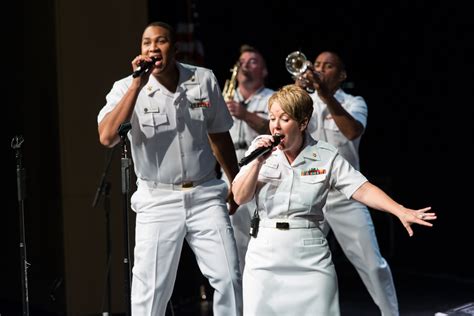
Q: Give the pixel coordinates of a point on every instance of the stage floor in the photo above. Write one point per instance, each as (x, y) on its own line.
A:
(419, 294)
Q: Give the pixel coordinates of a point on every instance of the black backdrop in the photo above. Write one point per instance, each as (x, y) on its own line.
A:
(410, 61)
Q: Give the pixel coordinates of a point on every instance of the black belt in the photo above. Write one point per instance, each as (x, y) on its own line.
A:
(240, 145)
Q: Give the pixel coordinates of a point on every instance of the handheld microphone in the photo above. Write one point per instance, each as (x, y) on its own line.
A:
(144, 67)
(260, 151)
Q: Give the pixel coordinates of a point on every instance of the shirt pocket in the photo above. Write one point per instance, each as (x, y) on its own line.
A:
(313, 179)
(311, 188)
(269, 172)
(150, 122)
(197, 103)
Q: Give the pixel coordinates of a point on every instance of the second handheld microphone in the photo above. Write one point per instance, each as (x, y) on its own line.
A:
(261, 151)
(144, 66)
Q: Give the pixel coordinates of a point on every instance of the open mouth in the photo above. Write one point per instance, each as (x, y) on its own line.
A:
(278, 138)
(158, 60)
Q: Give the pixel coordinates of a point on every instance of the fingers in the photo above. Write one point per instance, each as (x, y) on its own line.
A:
(426, 209)
(409, 230)
(420, 217)
(424, 216)
(427, 216)
(421, 222)
(265, 142)
(137, 60)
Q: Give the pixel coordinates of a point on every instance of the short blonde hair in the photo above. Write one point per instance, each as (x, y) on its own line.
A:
(294, 101)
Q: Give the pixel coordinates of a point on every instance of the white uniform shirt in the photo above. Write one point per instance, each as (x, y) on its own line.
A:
(300, 190)
(323, 127)
(242, 134)
(169, 135)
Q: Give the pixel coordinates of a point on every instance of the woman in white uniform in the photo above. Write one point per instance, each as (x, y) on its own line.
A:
(289, 270)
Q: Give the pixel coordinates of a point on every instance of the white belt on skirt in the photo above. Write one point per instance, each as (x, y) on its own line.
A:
(286, 223)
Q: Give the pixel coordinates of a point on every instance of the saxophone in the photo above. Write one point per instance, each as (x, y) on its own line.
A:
(231, 84)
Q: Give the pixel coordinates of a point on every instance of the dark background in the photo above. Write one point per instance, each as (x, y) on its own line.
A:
(410, 60)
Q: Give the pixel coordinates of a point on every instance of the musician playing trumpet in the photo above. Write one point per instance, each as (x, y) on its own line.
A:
(248, 107)
(340, 118)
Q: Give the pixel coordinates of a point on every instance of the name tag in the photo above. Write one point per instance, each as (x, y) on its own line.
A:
(151, 110)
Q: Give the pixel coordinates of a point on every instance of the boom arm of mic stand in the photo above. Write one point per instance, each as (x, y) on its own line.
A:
(102, 185)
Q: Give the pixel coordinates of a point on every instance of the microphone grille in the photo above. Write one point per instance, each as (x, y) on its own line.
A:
(277, 139)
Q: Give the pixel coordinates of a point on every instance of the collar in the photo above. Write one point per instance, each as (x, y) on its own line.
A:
(187, 76)
(256, 95)
(309, 152)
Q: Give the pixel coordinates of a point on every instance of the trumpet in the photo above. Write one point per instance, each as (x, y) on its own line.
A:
(230, 84)
(296, 64)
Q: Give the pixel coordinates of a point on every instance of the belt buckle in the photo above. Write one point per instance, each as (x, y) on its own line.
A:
(187, 185)
(283, 225)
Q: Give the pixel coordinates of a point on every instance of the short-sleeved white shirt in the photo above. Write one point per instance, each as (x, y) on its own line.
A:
(242, 134)
(169, 135)
(323, 127)
(300, 190)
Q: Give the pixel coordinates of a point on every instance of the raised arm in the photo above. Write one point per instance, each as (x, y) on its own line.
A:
(121, 113)
(245, 184)
(109, 125)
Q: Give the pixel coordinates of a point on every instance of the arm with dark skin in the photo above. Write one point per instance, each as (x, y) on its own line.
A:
(350, 127)
(223, 148)
(108, 127)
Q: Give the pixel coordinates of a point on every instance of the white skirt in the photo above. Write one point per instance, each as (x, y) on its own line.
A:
(290, 272)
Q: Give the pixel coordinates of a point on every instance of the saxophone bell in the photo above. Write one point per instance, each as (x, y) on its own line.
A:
(230, 84)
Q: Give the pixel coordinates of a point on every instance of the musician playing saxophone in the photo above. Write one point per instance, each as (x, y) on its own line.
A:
(249, 111)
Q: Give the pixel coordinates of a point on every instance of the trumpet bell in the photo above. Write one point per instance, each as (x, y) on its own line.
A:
(296, 63)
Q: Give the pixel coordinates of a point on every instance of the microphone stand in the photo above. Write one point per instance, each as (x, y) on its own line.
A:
(104, 190)
(16, 143)
(125, 168)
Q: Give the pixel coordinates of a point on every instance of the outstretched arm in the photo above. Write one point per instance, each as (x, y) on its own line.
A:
(375, 198)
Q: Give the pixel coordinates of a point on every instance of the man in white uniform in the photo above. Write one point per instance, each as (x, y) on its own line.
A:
(180, 123)
(249, 109)
(340, 119)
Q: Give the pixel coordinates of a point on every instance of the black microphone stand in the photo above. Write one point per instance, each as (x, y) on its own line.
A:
(17, 141)
(125, 168)
(104, 190)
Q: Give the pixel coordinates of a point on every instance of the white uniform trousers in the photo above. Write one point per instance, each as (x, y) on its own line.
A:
(290, 273)
(164, 219)
(353, 228)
